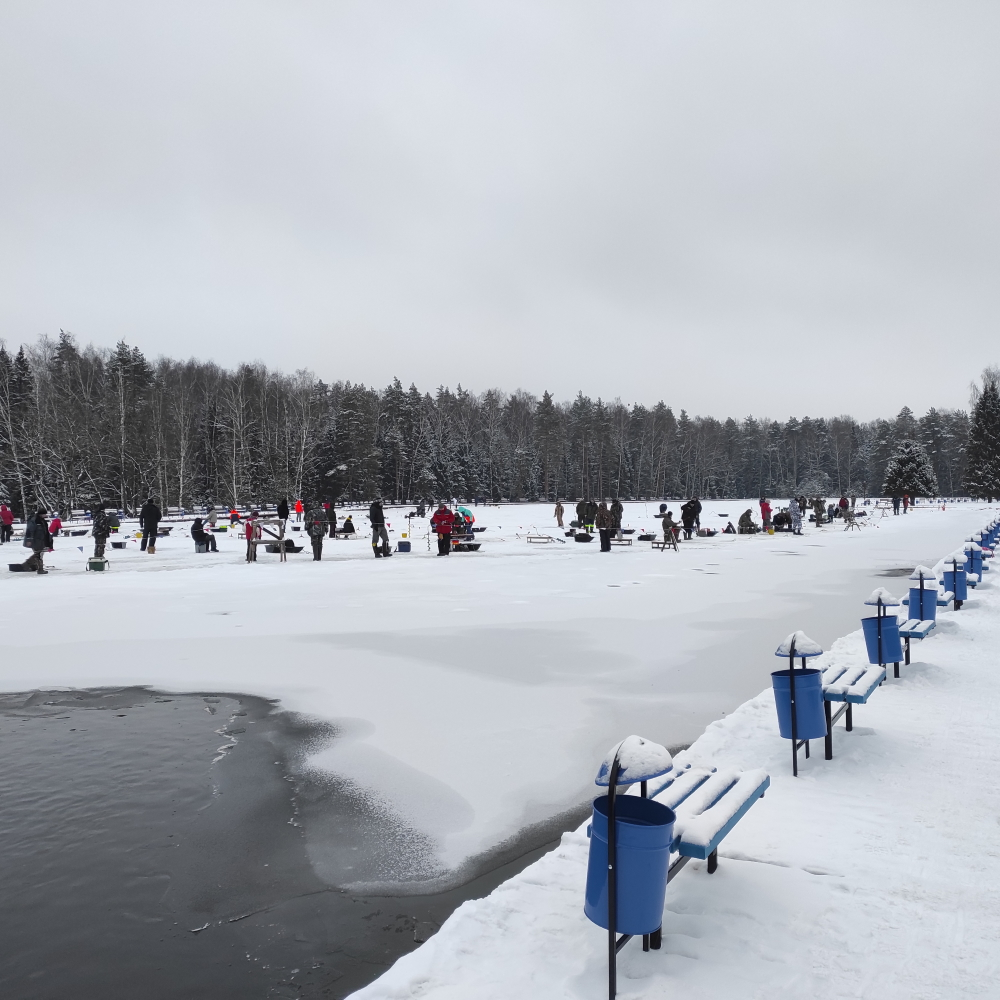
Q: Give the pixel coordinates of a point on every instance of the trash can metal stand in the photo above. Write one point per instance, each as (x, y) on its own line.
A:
(643, 760)
(798, 644)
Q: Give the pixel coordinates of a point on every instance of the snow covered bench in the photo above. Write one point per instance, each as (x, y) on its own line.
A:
(708, 803)
(850, 685)
(915, 629)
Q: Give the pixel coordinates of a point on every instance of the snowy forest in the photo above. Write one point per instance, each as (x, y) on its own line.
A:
(82, 424)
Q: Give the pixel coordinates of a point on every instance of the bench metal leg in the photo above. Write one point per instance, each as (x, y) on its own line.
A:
(645, 942)
(807, 749)
(713, 861)
(850, 717)
(829, 731)
(656, 939)
(906, 659)
(895, 669)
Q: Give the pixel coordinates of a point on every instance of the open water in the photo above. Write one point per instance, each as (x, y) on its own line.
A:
(154, 846)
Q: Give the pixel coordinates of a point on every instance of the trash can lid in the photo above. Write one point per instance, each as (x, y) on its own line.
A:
(923, 571)
(639, 760)
(882, 594)
(804, 646)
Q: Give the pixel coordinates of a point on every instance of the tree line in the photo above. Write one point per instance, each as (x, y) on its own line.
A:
(78, 425)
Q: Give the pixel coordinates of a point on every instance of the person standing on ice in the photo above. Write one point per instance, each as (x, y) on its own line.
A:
(100, 529)
(581, 514)
(604, 522)
(796, 515)
(377, 517)
(212, 517)
(895, 504)
(38, 539)
(316, 528)
(442, 523)
(283, 511)
(819, 509)
(6, 523)
(688, 515)
(559, 511)
(906, 503)
(299, 508)
(617, 513)
(149, 521)
(765, 513)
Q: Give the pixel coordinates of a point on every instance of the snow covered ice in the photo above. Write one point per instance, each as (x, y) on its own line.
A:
(474, 696)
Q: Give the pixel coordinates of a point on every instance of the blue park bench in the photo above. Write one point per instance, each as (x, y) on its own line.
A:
(915, 629)
(708, 803)
(849, 685)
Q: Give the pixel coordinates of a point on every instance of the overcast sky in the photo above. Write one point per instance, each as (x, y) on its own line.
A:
(737, 207)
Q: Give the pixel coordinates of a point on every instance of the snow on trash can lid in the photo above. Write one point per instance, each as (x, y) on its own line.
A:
(971, 546)
(956, 556)
(804, 646)
(883, 595)
(639, 760)
(923, 571)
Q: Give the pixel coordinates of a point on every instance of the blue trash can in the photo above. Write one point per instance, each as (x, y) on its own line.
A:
(957, 583)
(923, 603)
(892, 647)
(810, 718)
(643, 832)
(975, 557)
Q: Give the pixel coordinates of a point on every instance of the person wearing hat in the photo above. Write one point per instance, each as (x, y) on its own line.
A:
(377, 517)
(100, 528)
(442, 523)
(149, 521)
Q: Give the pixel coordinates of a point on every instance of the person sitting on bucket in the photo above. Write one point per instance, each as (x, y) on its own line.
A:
(746, 523)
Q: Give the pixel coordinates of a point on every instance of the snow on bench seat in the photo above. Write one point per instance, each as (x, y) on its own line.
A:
(853, 684)
(916, 629)
(708, 804)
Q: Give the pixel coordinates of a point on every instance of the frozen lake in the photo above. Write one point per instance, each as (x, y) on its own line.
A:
(472, 697)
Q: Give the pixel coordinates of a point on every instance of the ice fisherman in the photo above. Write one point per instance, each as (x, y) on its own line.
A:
(202, 537)
(559, 511)
(100, 528)
(316, 527)
(746, 525)
(38, 539)
(149, 520)
(617, 512)
(442, 523)
(283, 511)
(690, 512)
(6, 523)
(377, 517)
(765, 513)
(796, 515)
(604, 522)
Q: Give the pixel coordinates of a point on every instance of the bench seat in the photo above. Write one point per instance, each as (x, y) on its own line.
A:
(916, 629)
(854, 684)
(708, 804)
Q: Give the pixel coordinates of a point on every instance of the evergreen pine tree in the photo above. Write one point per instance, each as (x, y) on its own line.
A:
(910, 471)
(982, 476)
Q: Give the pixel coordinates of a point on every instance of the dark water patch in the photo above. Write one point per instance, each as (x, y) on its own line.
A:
(154, 845)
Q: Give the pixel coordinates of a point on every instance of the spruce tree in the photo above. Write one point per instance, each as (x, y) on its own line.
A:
(982, 475)
(910, 471)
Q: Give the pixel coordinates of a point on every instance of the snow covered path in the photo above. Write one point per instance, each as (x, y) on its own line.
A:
(472, 694)
(876, 874)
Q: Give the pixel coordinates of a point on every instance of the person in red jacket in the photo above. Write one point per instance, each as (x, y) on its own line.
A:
(442, 522)
(6, 523)
(765, 512)
(299, 507)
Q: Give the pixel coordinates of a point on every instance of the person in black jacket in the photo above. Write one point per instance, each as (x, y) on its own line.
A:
(316, 528)
(283, 509)
(149, 522)
(38, 539)
(377, 518)
(101, 528)
(202, 537)
(689, 514)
